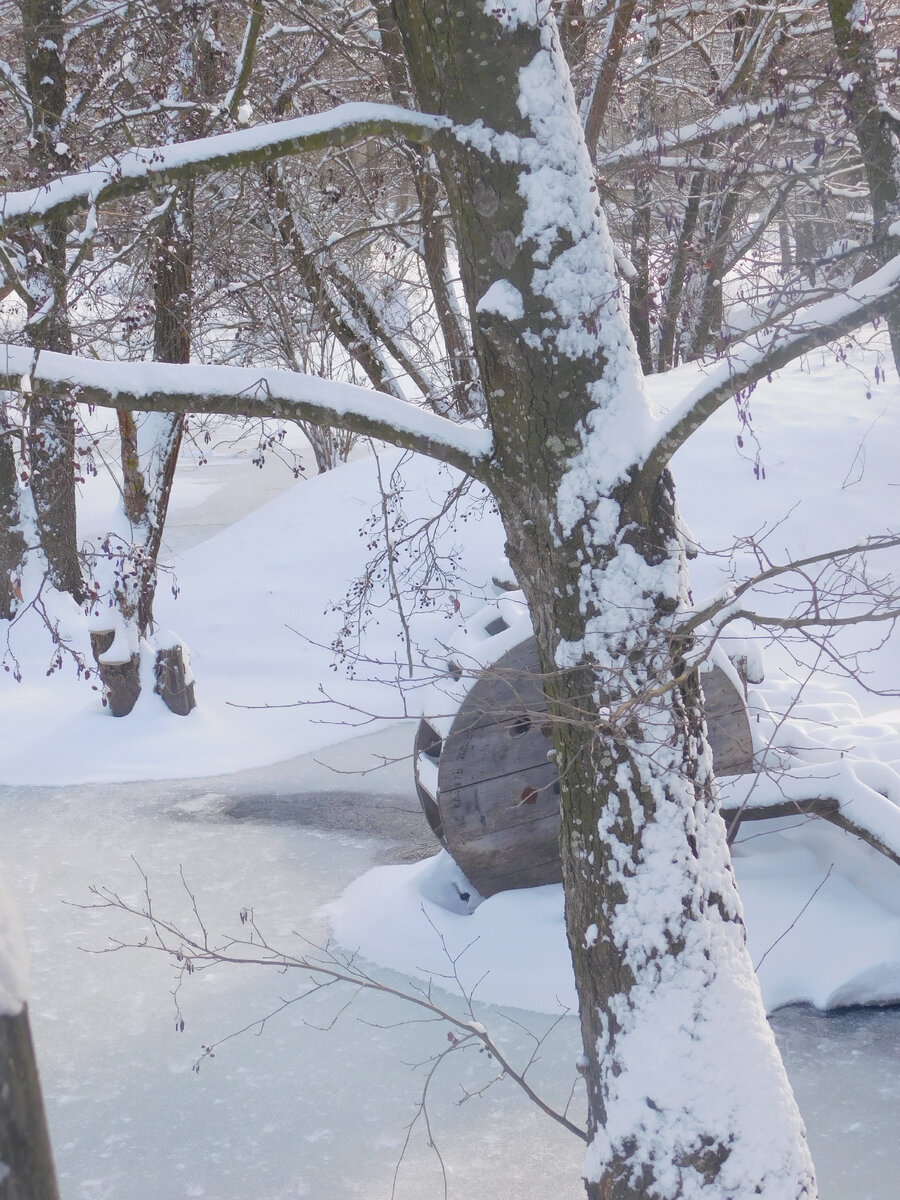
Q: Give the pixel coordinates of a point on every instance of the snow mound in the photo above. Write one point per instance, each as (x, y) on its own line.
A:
(822, 908)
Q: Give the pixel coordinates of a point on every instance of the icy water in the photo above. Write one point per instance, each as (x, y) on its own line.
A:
(291, 1109)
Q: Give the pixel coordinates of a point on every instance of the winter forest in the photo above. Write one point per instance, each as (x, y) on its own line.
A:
(364, 345)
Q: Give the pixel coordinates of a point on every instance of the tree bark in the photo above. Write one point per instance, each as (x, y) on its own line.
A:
(652, 913)
(26, 1159)
(12, 539)
(51, 416)
(876, 127)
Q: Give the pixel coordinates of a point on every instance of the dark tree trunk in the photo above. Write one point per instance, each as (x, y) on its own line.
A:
(150, 444)
(651, 909)
(710, 315)
(679, 268)
(640, 297)
(26, 1159)
(51, 416)
(466, 394)
(12, 539)
(877, 131)
(173, 295)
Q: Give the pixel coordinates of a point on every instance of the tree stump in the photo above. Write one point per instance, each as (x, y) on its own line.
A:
(172, 682)
(122, 680)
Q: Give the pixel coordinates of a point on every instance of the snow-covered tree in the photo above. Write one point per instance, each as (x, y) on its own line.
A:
(686, 1093)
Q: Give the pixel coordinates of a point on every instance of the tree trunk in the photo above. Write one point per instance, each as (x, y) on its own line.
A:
(679, 271)
(686, 1091)
(150, 445)
(26, 1160)
(51, 416)
(719, 239)
(876, 127)
(12, 539)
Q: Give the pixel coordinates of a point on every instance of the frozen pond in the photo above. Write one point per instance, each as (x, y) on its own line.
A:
(297, 1111)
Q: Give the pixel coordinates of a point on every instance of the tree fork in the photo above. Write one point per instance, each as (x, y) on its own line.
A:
(603, 570)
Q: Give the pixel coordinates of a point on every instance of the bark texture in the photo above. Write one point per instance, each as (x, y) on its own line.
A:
(26, 1159)
(51, 416)
(12, 539)
(652, 914)
(876, 127)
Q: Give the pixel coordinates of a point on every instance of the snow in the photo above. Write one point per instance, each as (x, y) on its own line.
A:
(503, 299)
(833, 455)
(795, 100)
(512, 13)
(827, 437)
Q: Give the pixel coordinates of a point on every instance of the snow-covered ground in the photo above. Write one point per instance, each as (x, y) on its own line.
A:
(231, 794)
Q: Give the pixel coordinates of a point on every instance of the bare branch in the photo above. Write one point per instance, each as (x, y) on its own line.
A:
(727, 603)
(796, 919)
(244, 65)
(191, 953)
(619, 23)
(737, 116)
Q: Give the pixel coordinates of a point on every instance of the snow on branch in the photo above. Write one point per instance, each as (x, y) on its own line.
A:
(113, 178)
(249, 391)
(701, 131)
(771, 348)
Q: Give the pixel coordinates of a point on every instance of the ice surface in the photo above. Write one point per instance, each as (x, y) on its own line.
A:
(296, 1111)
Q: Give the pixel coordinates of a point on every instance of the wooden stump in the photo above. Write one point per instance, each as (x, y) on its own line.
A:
(26, 1159)
(122, 680)
(172, 683)
(491, 794)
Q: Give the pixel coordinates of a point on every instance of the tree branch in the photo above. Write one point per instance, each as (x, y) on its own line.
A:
(701, 131)
(244, 65)
(618, 24)
(747, 362)
(144, 169)
(728, 603)
(248, 391)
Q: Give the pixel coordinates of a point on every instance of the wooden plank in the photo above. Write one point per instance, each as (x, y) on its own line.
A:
(504, 858)
(511, 687)
(727, 725)
(490, 751)
(536, 875)
(428, 742)
(814, 806)
(828, 808)
(511, 802)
